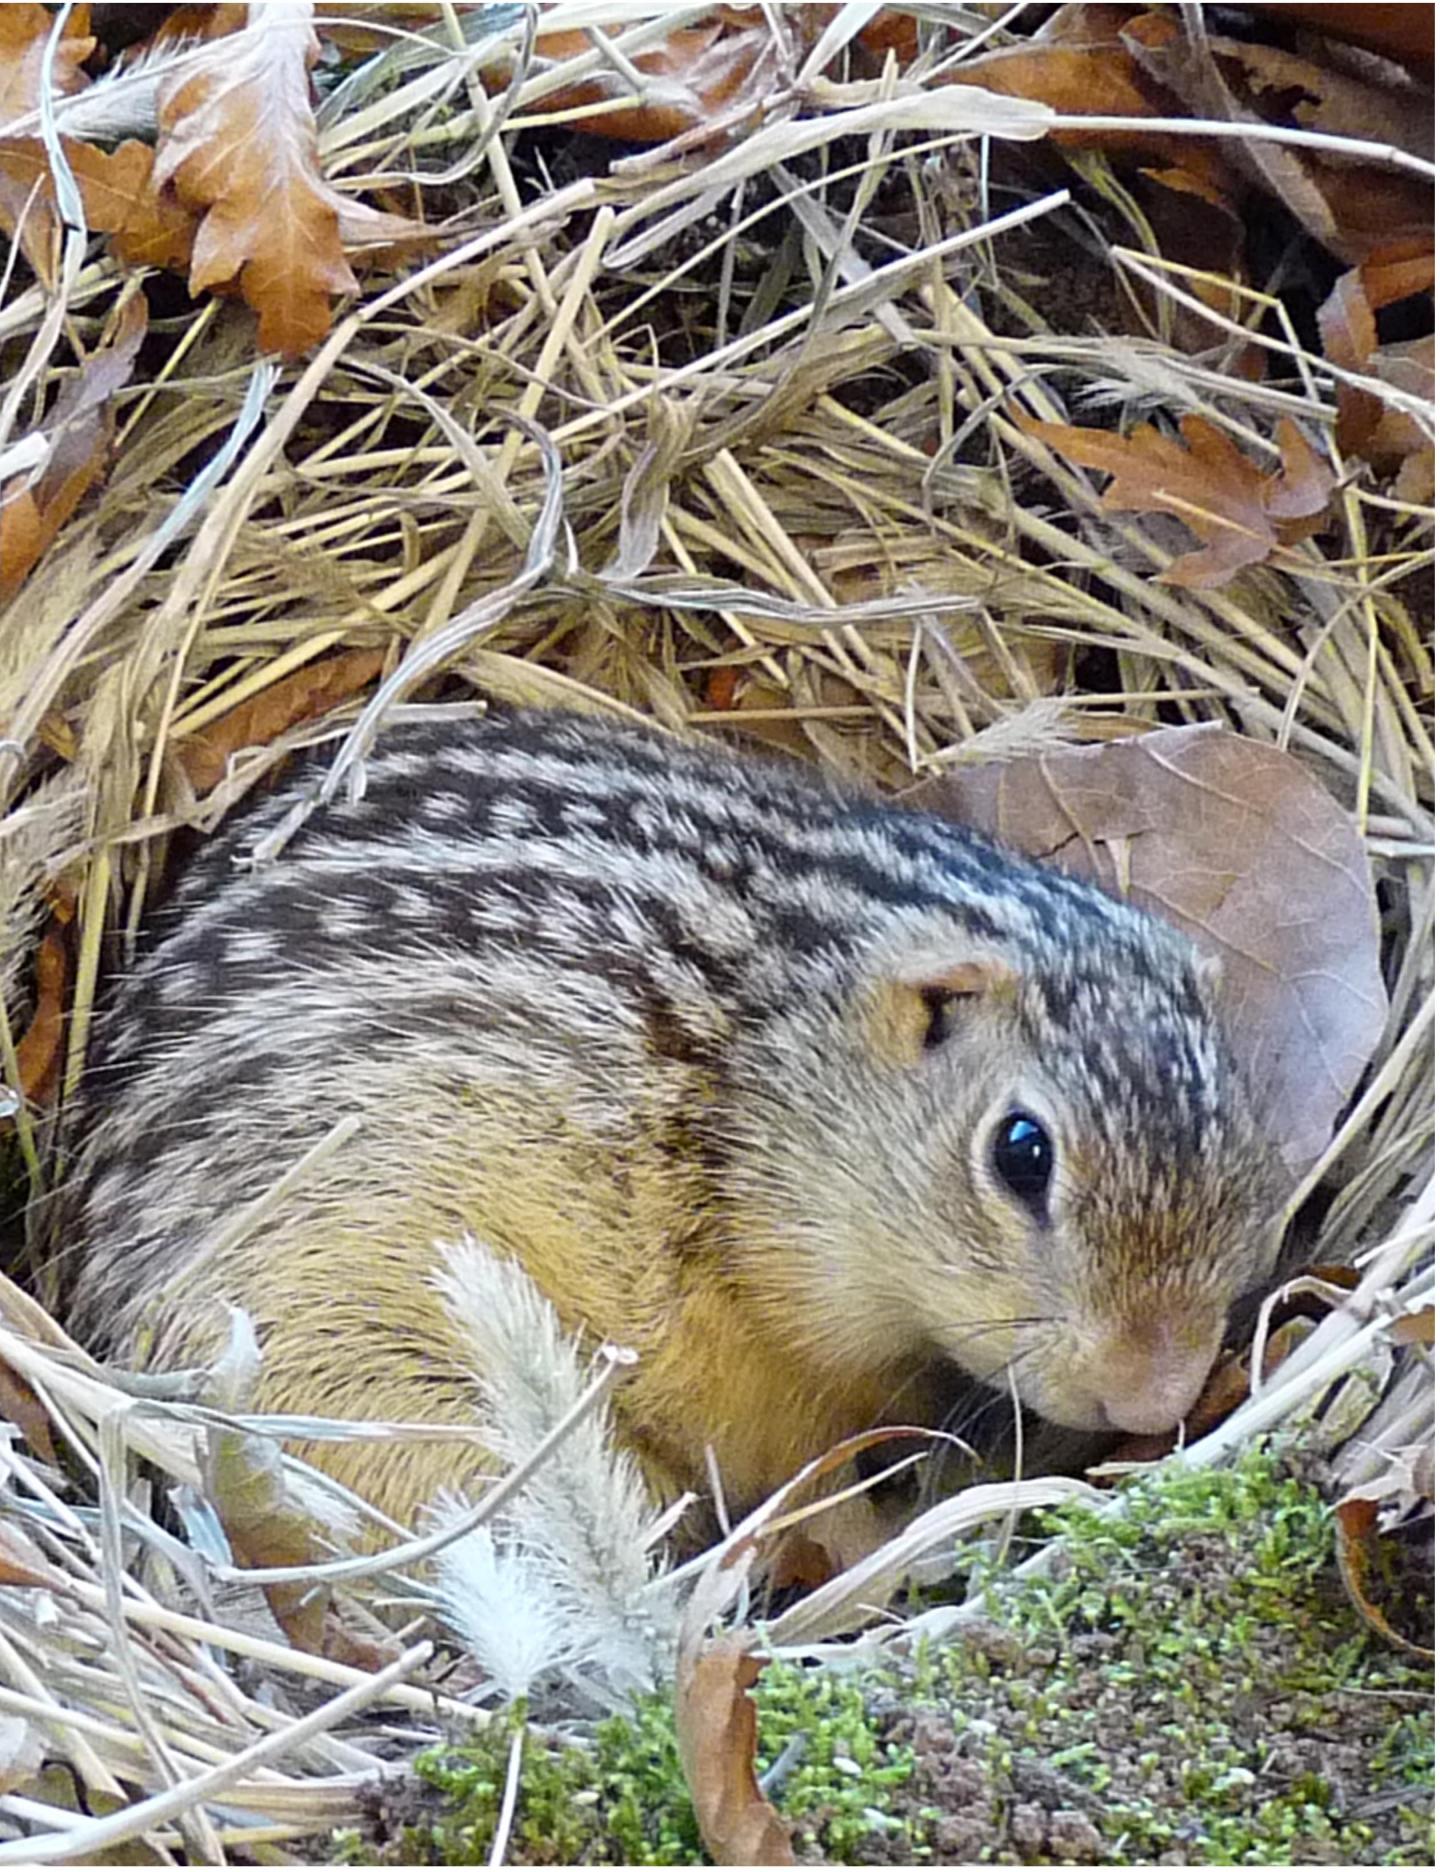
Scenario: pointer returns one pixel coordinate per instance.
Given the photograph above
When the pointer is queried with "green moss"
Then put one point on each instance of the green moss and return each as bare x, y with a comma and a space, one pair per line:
622, 1802
1194, 1684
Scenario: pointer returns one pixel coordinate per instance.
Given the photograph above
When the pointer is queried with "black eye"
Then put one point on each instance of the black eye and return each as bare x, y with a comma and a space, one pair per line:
1023, 1157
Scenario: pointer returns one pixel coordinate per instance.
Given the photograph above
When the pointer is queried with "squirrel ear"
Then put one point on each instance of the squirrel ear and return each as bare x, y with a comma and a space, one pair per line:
912, 1010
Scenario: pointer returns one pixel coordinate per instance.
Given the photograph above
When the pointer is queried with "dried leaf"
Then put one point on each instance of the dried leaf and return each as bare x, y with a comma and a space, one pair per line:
696, 73
238, 146
1222, 496
1367, 1558
1347, 208
1237, 844
299, 697
1406, 33
1081, 64
1367, 427
78, 432
1194, 225
21, 1561
39, 1047
244, 1478
147, 224
1415, 1328
19, 1403
1325, 98
117, 188
24, 30
716, 1727
27, 203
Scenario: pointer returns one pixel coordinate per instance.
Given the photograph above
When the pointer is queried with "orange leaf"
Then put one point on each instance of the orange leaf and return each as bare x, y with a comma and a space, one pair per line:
715, 1727
1360, 1552
1220, 494
119, 195
237, 141
38, 1050
32, 513
1415, 1328
703, 68
148, 226
1399, 271
24, 31
19, 1403
1369, 428
298, 697
22, 534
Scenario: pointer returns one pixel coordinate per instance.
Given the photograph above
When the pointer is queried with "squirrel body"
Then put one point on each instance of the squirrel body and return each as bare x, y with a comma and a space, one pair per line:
800, 1095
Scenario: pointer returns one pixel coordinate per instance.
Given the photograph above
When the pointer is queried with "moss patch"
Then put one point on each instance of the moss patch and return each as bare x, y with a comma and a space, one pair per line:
1192, 1689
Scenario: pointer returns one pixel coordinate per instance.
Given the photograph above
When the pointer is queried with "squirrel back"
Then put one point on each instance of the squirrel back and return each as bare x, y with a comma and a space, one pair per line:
801, 1095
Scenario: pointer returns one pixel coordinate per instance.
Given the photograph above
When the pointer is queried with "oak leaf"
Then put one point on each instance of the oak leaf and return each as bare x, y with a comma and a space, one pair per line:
1346, 205
1369, 1562
1236, 843
1241, 513
147, 225
32, 512
715, 1726
299, 697
238, 147
24, 31
37, 1052
1386, 437
692, 76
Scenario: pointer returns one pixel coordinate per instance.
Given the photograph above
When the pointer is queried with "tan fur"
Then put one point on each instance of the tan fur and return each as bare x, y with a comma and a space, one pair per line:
719, 1058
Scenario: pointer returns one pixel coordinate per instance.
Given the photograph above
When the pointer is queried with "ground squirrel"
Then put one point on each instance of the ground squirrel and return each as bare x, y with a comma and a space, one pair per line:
797, 1093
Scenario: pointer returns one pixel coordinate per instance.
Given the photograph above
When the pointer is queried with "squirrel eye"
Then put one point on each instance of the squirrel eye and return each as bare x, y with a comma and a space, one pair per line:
1023, 1157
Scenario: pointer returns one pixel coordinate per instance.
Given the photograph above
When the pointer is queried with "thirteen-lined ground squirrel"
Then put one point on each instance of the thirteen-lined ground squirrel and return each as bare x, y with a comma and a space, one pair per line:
797, 1094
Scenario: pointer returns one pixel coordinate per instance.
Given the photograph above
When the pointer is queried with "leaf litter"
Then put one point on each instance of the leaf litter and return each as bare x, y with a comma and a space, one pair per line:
886, 569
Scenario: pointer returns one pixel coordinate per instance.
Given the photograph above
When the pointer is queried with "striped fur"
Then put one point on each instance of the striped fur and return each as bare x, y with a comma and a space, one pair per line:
610, 1002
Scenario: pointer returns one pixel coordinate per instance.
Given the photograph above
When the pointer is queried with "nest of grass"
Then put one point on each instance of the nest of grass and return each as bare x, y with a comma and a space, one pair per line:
619, 450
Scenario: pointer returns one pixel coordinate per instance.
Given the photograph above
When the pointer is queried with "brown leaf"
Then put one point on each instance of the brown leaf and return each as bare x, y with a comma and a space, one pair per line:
1415, 1328
1220, 494
299, 697
1194, 225
19, 1403
1081, 64
1367, 427
24, 30
148, 227
1399, 271
38, 1051
715, 1726
246, 1487
33, 512
1363, 1553
1400, 32
1348, 208
237, 143
704, 68
27, 204
21, 1561
1237, 844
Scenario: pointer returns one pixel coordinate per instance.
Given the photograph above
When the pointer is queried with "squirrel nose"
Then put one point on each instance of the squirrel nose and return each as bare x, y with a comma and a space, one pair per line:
1149, 1376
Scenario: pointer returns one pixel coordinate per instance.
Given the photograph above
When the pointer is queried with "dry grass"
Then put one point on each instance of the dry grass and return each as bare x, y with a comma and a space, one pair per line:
630, 446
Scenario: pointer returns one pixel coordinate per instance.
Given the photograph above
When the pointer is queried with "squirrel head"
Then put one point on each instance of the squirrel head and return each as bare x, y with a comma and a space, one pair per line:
1074, 1187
